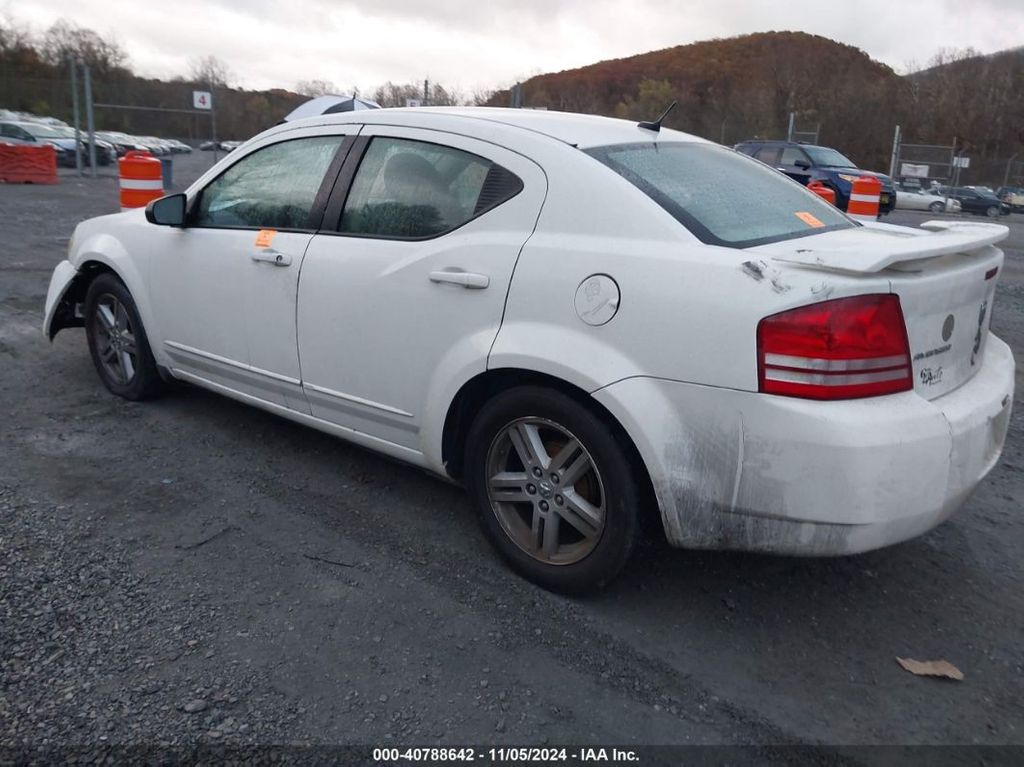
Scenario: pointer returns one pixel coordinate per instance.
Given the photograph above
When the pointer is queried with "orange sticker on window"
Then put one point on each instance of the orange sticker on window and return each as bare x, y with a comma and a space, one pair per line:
266, 236
808, 219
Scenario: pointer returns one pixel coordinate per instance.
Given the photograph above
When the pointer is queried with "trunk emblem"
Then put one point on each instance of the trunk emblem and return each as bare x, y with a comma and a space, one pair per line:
947, 327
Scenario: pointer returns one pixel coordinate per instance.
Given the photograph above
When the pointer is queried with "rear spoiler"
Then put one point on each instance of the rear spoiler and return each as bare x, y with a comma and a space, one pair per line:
894, 244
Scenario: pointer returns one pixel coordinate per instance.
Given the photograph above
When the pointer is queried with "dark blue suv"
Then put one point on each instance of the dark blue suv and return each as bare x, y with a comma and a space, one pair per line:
807, 162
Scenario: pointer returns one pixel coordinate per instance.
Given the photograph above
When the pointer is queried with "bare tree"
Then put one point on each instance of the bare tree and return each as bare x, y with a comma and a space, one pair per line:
481, 96
210, 70
316, 87
397, 94
64, 39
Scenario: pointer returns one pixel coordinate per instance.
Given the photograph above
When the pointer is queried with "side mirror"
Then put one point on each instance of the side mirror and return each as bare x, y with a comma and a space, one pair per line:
167, 211
802, 164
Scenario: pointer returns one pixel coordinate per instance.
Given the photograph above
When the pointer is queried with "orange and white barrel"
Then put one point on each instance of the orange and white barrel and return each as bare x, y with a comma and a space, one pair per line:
864, 199
141, 179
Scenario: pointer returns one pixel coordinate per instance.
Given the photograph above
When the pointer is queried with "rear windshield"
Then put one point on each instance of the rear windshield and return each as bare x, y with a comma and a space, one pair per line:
721, 196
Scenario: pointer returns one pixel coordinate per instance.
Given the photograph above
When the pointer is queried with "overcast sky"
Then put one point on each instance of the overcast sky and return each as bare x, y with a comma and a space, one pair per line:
476, 44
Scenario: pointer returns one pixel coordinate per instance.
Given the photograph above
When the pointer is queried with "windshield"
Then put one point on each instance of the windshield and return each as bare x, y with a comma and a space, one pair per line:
723, 197
829, 158
40, 131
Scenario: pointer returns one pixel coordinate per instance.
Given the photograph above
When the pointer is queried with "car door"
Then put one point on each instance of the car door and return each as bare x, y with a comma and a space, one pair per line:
406, 295
223, 288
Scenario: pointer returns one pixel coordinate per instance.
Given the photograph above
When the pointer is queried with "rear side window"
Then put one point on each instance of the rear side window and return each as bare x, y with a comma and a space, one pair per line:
721, 196
408, 189
273, 188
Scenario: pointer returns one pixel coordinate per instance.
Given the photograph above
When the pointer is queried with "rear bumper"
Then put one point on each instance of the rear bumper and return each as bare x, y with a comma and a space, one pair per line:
740, 470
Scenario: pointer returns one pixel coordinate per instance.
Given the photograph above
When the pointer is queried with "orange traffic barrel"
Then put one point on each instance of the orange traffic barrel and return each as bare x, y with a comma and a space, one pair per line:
141, 179
864, 199
824, 192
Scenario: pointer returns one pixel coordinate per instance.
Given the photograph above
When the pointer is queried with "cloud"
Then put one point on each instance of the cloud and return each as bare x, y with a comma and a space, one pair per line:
470, 44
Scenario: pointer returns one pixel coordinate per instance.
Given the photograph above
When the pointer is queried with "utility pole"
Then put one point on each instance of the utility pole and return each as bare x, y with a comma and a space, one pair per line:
213, 121
426, 93
74, 111
90, 126
895, 153
1009, 166
792, 125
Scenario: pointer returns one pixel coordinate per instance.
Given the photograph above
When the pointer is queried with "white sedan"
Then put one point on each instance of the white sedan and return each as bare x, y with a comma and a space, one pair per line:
583, 320
924, 199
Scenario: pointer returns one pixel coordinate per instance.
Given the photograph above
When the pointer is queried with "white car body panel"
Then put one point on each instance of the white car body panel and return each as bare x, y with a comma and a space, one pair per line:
355, 339
378, 286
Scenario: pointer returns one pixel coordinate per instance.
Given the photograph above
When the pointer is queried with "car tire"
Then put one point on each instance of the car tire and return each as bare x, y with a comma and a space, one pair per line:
556, 492
937, 207
992, 211
117, 340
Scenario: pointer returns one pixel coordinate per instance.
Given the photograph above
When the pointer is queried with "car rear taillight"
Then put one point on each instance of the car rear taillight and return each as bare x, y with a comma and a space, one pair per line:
840, 349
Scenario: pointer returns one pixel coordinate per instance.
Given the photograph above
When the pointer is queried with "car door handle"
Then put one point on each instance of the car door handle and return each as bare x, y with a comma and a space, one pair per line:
272, 257
469, 280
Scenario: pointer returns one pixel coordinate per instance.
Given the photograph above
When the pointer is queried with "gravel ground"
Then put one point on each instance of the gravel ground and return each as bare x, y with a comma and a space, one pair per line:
190, 571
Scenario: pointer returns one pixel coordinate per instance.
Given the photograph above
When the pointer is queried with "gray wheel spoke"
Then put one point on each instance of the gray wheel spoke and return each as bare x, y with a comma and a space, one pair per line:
575, 470
106, 315
128, 343
563, 456
526, 440
536, 529
550, 544
581, 514
127, 366
510, 486
120, 316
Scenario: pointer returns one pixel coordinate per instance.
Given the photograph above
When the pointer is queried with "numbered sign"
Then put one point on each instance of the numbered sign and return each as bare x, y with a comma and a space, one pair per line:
202, 100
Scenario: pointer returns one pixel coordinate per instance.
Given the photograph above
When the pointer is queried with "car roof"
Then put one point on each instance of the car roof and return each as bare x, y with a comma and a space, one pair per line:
579, 130
782, 142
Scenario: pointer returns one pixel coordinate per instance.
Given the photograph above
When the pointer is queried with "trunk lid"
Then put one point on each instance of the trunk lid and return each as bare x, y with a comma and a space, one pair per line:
945, 275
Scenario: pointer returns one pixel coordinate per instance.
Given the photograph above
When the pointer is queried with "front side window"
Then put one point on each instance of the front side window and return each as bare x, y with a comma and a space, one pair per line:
414, 190
829, 158
791, 156
721, 196
272, 188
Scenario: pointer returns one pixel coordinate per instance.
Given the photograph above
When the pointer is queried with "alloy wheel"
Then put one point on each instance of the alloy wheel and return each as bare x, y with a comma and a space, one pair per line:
546, 491
115, 339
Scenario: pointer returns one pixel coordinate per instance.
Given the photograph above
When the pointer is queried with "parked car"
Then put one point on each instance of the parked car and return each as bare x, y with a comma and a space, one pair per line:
39, 134
808, 162
179, 147
552, 310
105, 151
925, 199
1012, 196
976, 201
122, 142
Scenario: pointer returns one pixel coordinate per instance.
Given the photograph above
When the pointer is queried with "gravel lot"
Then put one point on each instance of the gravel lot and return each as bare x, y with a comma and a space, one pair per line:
192, 571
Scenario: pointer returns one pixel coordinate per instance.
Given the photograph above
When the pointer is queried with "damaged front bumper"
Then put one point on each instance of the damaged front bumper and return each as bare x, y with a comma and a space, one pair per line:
747, 471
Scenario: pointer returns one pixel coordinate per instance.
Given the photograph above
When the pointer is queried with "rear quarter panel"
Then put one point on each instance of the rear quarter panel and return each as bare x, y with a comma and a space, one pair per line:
688, 311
